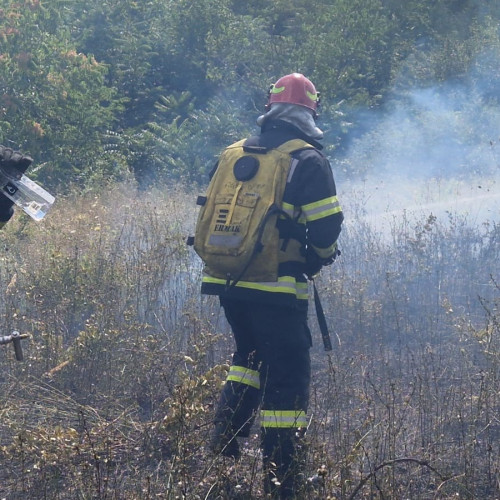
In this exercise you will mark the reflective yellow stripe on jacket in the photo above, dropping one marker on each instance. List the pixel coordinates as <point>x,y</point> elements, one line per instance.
<point>285,284</point>
<point>292,212</point>
<point>244,375</point>
<point>284,419</point>
<point>322,208</point>
<point>325,253</point>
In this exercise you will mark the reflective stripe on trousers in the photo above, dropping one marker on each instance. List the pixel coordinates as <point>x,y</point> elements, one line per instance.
<point>283,419</point>
<point>244,375</point>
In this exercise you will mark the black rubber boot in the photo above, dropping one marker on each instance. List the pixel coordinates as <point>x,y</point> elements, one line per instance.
<point>283,455</point>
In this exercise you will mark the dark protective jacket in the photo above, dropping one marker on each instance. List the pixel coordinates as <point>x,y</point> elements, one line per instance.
<point>6,210</point>
<point>310,195</point>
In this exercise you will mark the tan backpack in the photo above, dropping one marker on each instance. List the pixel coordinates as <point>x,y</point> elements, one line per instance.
<point>236,234</point>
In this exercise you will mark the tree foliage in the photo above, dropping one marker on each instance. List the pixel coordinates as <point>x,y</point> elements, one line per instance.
<point>91,88</point>
<point>54,101</point>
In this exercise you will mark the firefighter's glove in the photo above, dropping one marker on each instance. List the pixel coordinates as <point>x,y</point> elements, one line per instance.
<point>6,210</point>
<point>314,263</point>
<point>14,163</point>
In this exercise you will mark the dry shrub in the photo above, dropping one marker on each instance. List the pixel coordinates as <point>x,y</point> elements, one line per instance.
<point>118,383</point>
<point>125,360</point>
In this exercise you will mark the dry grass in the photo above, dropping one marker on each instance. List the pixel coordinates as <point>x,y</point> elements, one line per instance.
<point>125,361</point>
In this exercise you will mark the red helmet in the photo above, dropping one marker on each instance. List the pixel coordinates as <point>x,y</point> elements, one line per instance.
<point>294,89</point>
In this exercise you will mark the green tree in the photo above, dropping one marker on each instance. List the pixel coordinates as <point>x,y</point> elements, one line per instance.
<point>347,50</point>
<point>437,41</point>
<point>129,38</point>
<point>96,88</point>
<point>54,101</point>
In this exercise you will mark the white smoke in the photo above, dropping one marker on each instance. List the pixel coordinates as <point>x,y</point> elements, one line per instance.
<point>433,150</point>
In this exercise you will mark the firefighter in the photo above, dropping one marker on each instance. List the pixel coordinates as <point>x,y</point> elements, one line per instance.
<point>12,163</point>
<point>271,364</point>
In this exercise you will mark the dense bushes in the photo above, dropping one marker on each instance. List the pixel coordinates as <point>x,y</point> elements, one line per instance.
<point>75,75</point>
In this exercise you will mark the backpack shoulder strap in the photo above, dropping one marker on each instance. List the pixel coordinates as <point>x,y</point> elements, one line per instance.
<point>287,147</point>
<point>236,144</point>
<point>294,145</point>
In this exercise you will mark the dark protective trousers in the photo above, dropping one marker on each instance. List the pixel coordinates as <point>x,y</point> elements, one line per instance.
<point>271,369</point>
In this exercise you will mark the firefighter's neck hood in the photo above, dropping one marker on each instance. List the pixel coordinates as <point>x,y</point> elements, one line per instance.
<point>300,116</point>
